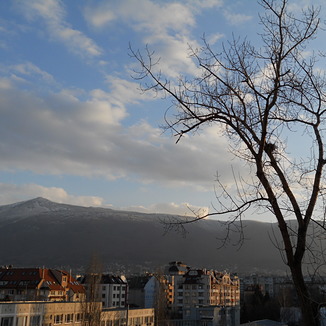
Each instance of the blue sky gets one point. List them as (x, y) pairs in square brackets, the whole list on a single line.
[(74, 126)]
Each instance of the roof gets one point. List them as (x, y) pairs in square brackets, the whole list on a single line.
[(38, 278), (138, 282), (264, 322), (102, 279), (177, 267), (112, 279)]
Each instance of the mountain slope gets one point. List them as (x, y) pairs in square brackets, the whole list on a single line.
[(43, 233)]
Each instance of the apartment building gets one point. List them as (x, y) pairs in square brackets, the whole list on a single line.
[(30, 284), (195, 288), (113, 291), (141, 291), (46, 313), (200, 287)]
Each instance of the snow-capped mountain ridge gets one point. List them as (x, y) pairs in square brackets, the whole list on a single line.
[(39, 232)]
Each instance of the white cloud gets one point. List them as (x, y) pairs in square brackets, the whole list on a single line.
[(143, 15), (52, 14), (12, 193), (29, 69), (207, 3), (60, 133), (183, 209), (212, 39), (236, 18), (164, 26), (124, 91)]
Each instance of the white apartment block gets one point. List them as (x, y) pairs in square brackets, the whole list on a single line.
[(113, 291)]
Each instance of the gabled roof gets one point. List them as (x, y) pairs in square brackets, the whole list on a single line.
[(37, 278)]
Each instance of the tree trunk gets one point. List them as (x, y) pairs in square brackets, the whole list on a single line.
[(307, 305)]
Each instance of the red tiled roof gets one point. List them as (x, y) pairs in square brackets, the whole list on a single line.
[(22, 278)]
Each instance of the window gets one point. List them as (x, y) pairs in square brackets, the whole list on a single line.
[(69, 318), (21, 321), (35, 320), (58, 319), (7, 321), (78, 317)]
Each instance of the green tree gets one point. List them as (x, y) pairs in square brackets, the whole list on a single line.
[(258, 97)]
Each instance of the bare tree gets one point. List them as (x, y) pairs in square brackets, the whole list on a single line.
[(161, 298), (92, 303), (259, 97)]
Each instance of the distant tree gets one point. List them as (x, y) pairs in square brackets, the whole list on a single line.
[(259, 97), (259, 306), (92, 304), (161, 305)]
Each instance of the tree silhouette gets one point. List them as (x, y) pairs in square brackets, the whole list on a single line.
[(258, 97)]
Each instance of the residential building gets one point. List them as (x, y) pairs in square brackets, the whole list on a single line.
[(152, 291), (114, 291), (29, 284), (46, 313), (111, 290), (182, 289), (140, 291), (201, 287), (216, 315)]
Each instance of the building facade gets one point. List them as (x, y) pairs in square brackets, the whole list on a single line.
[(30, 284), (114, 291), (201, 287), (44, 313)]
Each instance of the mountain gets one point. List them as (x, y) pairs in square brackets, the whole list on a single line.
[(39, 232)]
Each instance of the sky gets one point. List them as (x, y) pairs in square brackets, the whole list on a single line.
[(74, 125)]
